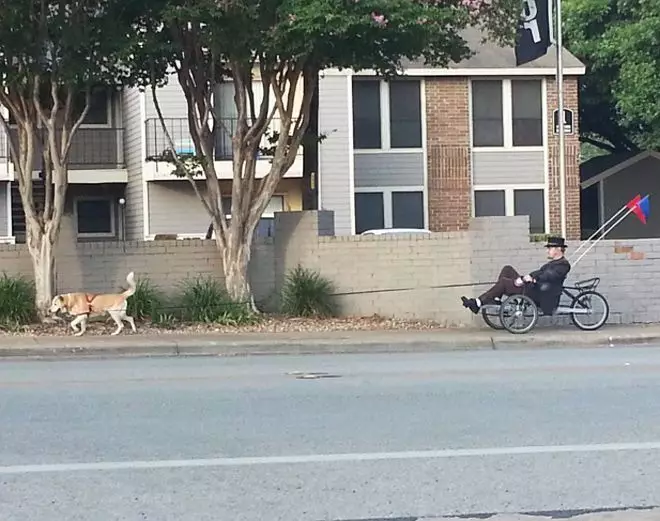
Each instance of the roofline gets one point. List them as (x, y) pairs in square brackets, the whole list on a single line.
[(466, 71), (618, 167)]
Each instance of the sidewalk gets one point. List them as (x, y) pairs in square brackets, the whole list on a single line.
[(319, 343)]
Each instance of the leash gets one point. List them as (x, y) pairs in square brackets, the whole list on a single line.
[(394, 290)]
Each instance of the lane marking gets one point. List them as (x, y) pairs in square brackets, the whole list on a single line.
[(326, 458)]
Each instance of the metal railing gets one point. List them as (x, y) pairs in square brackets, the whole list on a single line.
[(158, 144), (91, 148)]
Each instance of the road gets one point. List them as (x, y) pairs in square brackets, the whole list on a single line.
[(380, 437)]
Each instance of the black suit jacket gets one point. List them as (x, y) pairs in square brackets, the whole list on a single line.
[(549, 283)]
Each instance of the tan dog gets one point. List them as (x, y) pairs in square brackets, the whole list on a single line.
[(82, 305)]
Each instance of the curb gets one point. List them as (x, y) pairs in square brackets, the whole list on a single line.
[(104, 347)]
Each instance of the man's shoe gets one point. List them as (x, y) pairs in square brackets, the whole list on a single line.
[(471, 304)]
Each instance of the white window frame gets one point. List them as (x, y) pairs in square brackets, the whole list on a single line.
[(113, 218), (108, 124), (507, 117), (509, 199), (387, 200), (385, 137)]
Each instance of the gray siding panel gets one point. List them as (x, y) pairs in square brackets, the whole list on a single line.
[(405, 169), (171, 99), (336, 150), (133, 150), (174, 208), (508, 167)]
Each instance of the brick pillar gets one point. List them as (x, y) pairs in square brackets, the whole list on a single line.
[(572, 162), (448, 154)]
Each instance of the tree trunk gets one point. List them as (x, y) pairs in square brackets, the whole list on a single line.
[(236, 258), (43, 263)]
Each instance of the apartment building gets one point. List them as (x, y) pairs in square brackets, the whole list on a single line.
[(435, 147), (432, 149)]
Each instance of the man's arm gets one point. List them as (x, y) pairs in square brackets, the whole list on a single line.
[(551, 272)]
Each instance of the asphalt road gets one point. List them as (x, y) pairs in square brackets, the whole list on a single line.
[(384, 437)]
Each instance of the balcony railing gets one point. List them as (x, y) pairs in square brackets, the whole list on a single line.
[(158, 144), (91, 148)]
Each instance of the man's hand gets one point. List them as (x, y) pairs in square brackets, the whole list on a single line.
[(518, 282), (528, 278)]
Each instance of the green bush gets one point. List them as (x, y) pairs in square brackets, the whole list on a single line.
[(307, 294), (17, 305), (147, 302), (204, 299)]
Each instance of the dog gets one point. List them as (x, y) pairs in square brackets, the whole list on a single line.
[(82, 305)]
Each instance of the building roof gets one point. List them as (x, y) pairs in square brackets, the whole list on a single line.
[(600, 168), (490, 55)]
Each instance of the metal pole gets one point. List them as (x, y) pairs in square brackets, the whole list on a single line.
[(585, 242), (560, 119), (603, 236)]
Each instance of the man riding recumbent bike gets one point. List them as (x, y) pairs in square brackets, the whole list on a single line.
[(515, 302)]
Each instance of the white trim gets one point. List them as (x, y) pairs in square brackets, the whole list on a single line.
[(380, 151), (425, 157), (10, 224), (88, 176), (113, 217), (618, 167), (466, 71), (387, 199), (143, 155), (507, 119), (601, 203), (546, 153), (351, 157), (509, 200)]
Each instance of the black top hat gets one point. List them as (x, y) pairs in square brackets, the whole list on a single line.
[(556, 242)]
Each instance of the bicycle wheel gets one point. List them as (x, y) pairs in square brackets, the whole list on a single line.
[(491, 316), (519, 314), (590, 305)]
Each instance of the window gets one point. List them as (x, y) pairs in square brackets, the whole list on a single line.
[(369, 211), (532, 203), (97, 114), (527, 113), (405, 114), (366, 114), (511, 201), (407, 210), (489, 203), (95, 217), (487, 114), (507, 113), (395, 207)]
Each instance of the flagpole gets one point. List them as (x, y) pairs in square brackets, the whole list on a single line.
[(559, 84), (602, 227), (602, 236)]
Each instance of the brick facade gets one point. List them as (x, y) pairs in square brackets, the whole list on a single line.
[(572, 161), (449, 156), (448, 153)]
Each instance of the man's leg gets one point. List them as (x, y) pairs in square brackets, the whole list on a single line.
[(504, 286)]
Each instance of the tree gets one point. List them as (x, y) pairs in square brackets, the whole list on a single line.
[(52, 53), (619, 43), (281, 46)]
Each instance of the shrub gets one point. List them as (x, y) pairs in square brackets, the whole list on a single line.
[(204, 299), (17, 305), (307, 294), (147, 302)]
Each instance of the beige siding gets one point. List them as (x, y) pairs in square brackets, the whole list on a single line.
[(133, 150), (174, 208), (400, 169), (336, 151), (508, 167), (171, 99)]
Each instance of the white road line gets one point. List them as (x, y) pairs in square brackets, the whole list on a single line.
[(326, 458)]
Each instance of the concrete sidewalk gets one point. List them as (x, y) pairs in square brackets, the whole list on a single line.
[(325, 342)]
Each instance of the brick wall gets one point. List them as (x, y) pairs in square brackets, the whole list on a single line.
[(410, 277), (448, 140), (572, 161)]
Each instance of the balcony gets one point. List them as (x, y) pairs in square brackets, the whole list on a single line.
[(158, 146), (91, 149)]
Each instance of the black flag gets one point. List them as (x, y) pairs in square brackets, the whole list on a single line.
[(533, 36)]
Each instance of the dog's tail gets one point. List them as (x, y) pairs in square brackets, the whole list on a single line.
[(131, 285)]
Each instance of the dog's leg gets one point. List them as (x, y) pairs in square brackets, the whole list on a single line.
[(116, 316), (77, 325), (129, 319)]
